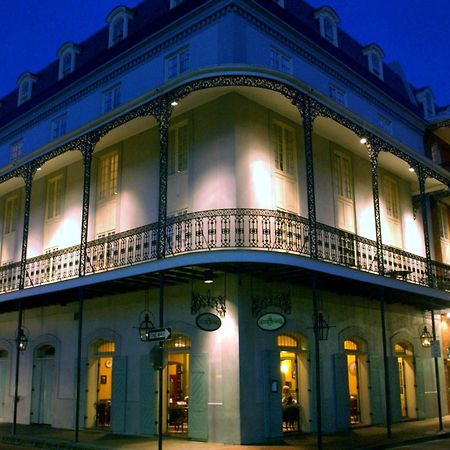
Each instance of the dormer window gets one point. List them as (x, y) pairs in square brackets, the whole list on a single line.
[(67, 55), (374, 60), (328, 21), (25, 82), (118, 20), (426, 99)]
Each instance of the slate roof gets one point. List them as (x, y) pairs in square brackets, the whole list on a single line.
[(153, 15)]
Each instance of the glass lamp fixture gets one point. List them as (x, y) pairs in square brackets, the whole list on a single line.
[(363, 140), (209, 277), (425, 337), (322, 327), (22, 339), (145, 326)]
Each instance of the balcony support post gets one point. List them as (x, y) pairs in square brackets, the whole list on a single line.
[(426, 235), (16, 379), (436, 374), (87, 149), (309, 113), (28, 172), (162, 115), (373, 155)]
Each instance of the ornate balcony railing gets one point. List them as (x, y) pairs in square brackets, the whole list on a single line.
[(257, 229)]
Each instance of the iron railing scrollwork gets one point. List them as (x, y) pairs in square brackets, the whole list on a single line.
[(255, 229)]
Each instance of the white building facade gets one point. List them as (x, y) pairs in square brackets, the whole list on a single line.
[(241, 140)]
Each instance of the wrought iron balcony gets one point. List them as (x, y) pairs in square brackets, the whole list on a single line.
[(255, 229)]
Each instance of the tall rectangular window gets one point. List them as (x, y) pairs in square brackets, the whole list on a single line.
[(178, 148), (10, 214), (390, 191), (279, 61), (16, 150), (54, 197), (59, 126), (384, 123), (283, 147), (108, 171), (338, 94), (111, 98), (443, 221), (177, 63), (343, 176)]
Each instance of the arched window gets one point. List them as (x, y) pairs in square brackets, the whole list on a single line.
[(45, 351), (374, 60), (25, 83), (328, 21), (179, 342), (118, 20), (67, 55)]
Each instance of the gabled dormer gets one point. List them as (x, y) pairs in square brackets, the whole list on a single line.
[(67, 59), (374, 59), (118, 20), (25, 84), (425, 98), (328, 22)]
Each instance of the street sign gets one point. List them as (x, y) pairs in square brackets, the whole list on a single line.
[(159, 334)]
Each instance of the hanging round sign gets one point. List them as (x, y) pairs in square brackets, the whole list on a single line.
[(271, 321), (208, 322)]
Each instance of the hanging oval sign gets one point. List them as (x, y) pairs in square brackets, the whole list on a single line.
[(271, 321), (208, 322)]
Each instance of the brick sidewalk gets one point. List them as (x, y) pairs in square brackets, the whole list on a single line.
[(372, 438)]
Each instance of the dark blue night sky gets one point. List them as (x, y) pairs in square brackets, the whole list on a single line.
[(414, 32)]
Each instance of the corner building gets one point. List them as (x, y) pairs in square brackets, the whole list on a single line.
[(249, 143)]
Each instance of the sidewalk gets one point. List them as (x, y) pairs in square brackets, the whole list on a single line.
[(373, 438)]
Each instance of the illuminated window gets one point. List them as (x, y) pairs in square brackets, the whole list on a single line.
[(343, 176), (177, 63), (108, 172), (10, 214), (54, 198), (111, 98), (279, 61), (443, 221), (291, 341), (178, 148), (390, 191), (284, 147), (15, 151), (102, 347), (350, 346), (178, 342), (404, 349), (59, 126)]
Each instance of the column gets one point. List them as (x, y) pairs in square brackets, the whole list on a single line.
[(423, 204), (308, 114), (373, 155)]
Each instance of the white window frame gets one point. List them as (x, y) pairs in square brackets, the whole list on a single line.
[(54, 197), (108, 176), (178, 156), (67, 50), (436, 153), (16, 150), (338, 94), (121, 13), (375, 57), (111, 98), (58, 126), (426, 99), (391, 198), (443, 221), (10, 214), (326, 15), (284, 158), (280, 61), (384, 123), (180, 60), (25, 83)]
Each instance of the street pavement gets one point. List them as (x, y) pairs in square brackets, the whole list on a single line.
[(430, 445)]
